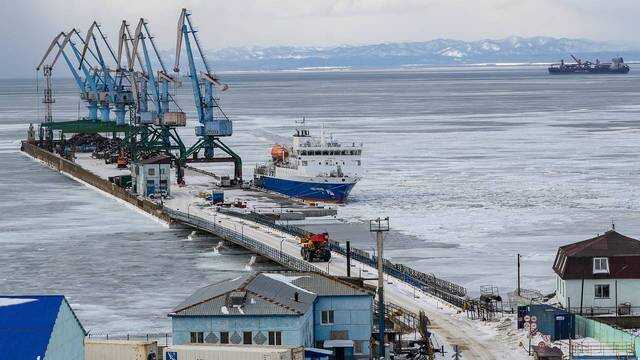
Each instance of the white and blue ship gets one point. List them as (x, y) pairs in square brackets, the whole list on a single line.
[(312, 168)]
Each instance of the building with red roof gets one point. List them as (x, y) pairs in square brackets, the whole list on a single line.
[(599, 275)]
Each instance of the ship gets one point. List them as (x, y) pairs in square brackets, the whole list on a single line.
[(311, 168), (616, 66)]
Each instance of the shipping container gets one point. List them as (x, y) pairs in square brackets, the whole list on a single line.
[(120, 350), (217, 197), (232, 352)]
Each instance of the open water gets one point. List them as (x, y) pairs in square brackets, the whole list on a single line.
[(472, 165)]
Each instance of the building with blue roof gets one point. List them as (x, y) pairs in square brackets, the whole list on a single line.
[(280, 309), (40, 327)]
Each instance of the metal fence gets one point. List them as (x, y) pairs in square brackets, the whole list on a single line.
[(605, 310), (161, 338), (429, 283)]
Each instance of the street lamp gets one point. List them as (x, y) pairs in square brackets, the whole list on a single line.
[(281, 242), (380, 226)]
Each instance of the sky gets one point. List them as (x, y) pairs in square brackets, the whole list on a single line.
[(28, 26)]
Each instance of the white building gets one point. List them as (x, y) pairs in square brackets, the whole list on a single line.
[(152, 176), (600, 275)]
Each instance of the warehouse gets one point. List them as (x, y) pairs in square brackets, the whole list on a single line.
[(278, 309), (40, 327)]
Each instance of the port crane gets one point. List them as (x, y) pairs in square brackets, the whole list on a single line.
[(213, 122), (89, 84), (113, 87), (155, 125)]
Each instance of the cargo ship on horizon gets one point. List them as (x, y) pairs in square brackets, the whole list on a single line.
[(312, 168), (616, 66)]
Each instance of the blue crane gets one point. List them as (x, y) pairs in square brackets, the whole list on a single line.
[(87, 85), (113, 89), (214, 123), (155, 128)]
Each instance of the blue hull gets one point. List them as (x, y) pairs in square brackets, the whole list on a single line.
[(329, 192)]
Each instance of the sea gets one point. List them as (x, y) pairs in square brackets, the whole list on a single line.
[(472, 165)]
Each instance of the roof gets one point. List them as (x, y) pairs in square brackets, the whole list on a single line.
[(574, 261), (158, 159), (26, 324), (611, 243), (283, 293)]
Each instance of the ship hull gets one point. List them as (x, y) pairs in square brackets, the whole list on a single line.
[(306, 190), (557, 71)]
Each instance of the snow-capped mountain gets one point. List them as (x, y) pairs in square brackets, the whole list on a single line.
[(439, 51)]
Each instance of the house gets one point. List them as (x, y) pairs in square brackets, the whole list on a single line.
[(284, 308), (152, 176), (599, 275), (39, 327)]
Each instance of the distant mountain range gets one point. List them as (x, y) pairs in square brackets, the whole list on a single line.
[(434, 52)]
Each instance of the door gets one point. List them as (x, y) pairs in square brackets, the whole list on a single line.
[(562, 328)]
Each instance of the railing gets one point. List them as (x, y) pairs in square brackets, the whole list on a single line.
[(429, 283), (606, 349), (161, 338), (244, 241), (621, 310), (399, 315)]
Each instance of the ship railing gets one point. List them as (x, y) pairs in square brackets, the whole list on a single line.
[(429, 283), (331, 145)]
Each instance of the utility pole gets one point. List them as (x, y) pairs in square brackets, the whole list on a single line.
[(380, 226), (519, 275)]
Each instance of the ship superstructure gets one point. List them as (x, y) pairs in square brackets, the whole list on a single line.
[(312, 168)]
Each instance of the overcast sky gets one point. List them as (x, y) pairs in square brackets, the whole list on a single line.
[(28, 26)]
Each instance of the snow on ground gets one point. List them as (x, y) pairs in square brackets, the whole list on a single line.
[(13, 301)]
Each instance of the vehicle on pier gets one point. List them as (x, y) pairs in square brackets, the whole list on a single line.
[(312, 168), (315, 247), (616, 66)]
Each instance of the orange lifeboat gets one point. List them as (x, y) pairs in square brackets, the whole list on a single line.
[(279, 152)]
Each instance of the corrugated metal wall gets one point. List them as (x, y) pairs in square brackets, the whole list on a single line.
[(604, 333)]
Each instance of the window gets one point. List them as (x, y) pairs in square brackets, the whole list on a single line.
[(304, 163), (197, 337), (327, 317), (600, 265), (151, 171), (224, 337), (163, 171), (358, 162), (602, 291), (275, 338), (137, 170), (246, 338)]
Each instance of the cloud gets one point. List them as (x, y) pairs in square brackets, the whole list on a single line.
[(29, 25)]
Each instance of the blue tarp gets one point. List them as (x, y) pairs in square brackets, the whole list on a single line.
[(26, 323)]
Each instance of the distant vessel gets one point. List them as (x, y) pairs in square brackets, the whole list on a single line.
[(616, 66), (312, 168)]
